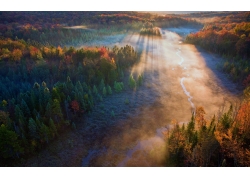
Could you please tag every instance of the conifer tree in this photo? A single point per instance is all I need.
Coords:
(33, 131)
(25, 109)
(95, 91)
(109, 90)
(56, 110)
(9, 145)
(104, 92)
(52, 128)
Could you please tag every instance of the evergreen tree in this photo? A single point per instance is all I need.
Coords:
(109, 90)
(48, 111)
(95, 91)
(104, 92)
(25, 109)
(118, 86)
(9, 145)
(69, 85)
(79, 87)
(139, 80)
(132, 82)
(55, 94)
(36, 85)
(56, 110)
(44, 133)
(44, 84)
(101, 85)
(33, 131)
(52, 128)
(20, 122)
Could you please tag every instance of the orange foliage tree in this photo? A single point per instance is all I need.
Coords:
(35, 53)
(233, 135)
(199, 117)
(16, 55)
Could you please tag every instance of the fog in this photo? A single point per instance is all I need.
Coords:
(177, 78)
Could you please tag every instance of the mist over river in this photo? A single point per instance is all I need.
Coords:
(177, 78)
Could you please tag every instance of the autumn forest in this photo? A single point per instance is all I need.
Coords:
(124, 89)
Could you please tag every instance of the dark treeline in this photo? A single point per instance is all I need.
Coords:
(43, 90)
(55, 28)
(173, 21)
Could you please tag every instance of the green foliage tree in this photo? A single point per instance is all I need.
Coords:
(139, 80)
(25, 109)
(104, 92)
(132, 82)
(52, 128)
(118, 86)
(57, 111)
(48, 111)
(109, 90)
(9, 144)
(44, 133)
(33, 130)
(101, 85)
(95, 91)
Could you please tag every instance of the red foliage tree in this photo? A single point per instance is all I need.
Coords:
(104, 53)
(75, 106)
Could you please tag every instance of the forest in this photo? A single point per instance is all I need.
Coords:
(222, 140)
(49, 86)
(229, 37)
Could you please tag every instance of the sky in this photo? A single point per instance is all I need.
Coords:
(123, 5)
(173, 12)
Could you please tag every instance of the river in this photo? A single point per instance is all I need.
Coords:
(178, 77)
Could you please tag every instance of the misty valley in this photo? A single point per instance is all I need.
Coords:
(126, 89)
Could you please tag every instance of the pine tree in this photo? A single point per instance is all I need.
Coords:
(44, 133)
(56, 111)
(118, 86)
(101, 85)
(132, 82)
(52, 128)
(44, 84)
(25, 109)
(36, 85)
(48, 111)
(69, 84)
(104, 92)
(109, 90)
(79, 87)
(19, 121)
(33, 131)
(55, 94)
(95, 91)
(9, 145)
(139, 80)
